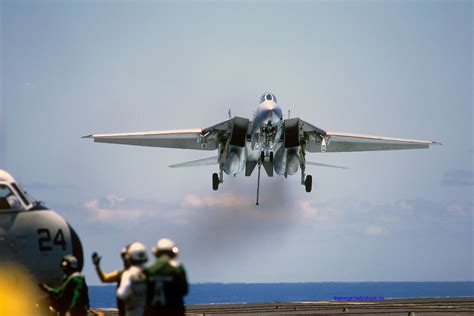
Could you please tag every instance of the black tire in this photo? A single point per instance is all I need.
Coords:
(262, 156)
(271, 156)
(308, 183)
(215, 181)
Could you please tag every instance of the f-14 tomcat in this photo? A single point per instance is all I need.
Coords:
(278, 144)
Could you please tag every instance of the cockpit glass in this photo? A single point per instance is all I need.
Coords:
(4, 191)
(268, 97)
(6, 197)
(21, 193)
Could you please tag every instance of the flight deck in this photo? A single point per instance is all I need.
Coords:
(395, 307)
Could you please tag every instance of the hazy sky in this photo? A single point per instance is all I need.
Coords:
(393, 68)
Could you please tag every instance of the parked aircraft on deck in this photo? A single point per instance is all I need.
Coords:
(32, 235)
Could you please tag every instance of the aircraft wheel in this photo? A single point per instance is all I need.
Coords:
(308, 183)
(215, 181)
(262, 156)
(271, 156)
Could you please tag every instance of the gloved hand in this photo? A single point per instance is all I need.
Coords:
(96, 259)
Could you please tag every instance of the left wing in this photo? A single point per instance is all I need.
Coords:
(318, 140)
(199, 139)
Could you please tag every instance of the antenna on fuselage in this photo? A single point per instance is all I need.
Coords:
(288, 113)
(230, 113)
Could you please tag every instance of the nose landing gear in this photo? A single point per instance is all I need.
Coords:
(263, 155)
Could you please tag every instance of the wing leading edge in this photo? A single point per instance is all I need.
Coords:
(184, 139)
(318, 140)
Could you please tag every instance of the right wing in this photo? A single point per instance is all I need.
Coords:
(200, 139)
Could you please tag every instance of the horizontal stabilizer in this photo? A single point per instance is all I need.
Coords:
(196, 163)
(309, 163)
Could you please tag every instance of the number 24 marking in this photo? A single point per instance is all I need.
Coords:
(44, 241)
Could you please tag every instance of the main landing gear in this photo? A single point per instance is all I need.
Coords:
(217, 179)
(262, 156)
(306, 180)
(308, 183)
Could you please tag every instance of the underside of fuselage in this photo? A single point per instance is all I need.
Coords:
(284, 161)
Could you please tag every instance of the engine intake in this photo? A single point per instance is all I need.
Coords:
(292, 133)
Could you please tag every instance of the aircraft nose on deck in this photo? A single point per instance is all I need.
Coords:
(77, 248)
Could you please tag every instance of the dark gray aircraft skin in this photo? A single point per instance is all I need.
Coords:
(33, 236)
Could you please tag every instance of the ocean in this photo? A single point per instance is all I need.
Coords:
(208, 293)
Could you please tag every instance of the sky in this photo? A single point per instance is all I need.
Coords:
(390, 68)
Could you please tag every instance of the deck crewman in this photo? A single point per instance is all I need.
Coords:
(132, 290)
(167, 283)
(71, 297)
(112, 277)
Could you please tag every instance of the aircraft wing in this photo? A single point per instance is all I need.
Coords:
(318, 140)
(347, 142)
(199, 139)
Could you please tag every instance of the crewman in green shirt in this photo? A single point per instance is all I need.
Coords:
(71, 298)
(167, 283)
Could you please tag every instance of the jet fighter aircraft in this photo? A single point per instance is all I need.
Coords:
(280, 145)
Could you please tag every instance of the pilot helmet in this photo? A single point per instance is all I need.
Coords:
(14, 202)
(69, 262)
(136, 253)
(165, 245)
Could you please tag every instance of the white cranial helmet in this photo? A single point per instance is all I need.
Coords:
(136, 253)
(165, 245)
(69, 261)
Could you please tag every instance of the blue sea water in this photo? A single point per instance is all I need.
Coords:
(207, 293)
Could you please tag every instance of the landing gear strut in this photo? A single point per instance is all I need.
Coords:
(258, 181)
(306, 180)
